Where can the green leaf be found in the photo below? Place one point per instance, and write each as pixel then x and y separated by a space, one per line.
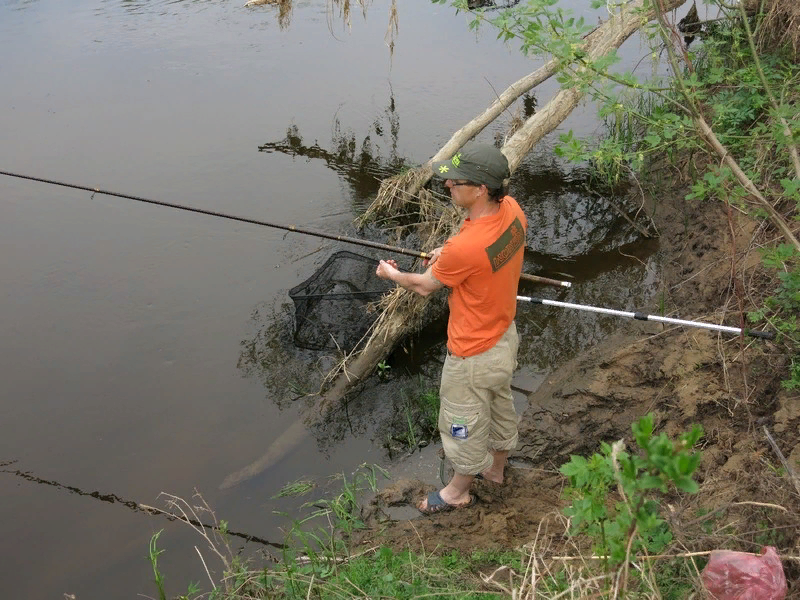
pixel 642 430
pixel 791 187
pixel 653 140
pixel 691 438
pixel 651 482
pixel 574 467
pixel 687 463
pixel 687 484
pixel 628 467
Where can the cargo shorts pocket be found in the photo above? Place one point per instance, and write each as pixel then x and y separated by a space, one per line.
pixel 457 421
pixel 464 434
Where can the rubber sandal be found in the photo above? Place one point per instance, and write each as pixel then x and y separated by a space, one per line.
pixel 436 504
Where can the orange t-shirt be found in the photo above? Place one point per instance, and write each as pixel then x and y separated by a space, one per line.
pixel 482 265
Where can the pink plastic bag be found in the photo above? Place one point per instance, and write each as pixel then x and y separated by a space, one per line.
pixel 740 576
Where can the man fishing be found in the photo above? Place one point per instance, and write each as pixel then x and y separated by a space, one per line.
pixel 481 265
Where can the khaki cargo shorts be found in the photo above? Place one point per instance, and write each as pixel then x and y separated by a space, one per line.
pixel 476 412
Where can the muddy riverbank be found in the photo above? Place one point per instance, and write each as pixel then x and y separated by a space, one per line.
pixel 684 376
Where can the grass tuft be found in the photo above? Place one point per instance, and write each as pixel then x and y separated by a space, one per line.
pixel 299 487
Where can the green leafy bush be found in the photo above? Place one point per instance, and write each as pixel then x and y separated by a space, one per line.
pixel 632 522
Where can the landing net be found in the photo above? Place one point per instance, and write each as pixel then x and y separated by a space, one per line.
pixel 333 308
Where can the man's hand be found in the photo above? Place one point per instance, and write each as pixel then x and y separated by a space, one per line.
pixel 421 283
pixel 432 257
pixel 387 269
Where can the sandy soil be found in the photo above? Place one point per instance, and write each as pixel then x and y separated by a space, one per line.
pixel 684 376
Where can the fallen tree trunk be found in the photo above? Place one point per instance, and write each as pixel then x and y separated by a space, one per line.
pixel 606 37
pixel 412 185
pixel 395 322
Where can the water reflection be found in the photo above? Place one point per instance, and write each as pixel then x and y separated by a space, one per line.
pixel 551 336
pixel 21 5
pixel 284 9
pixel 281 9
pixel 343 7
pixel 362 163
pixel 160 7
pixel 292 375
pixel 585 267
pixel 563 219
pixel 269 355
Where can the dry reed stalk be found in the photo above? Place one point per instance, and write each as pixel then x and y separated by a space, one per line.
pixel 396 194
pixel 284 9
pixel 781 25
pixel 789 470
pixel 344 7
pixel 205 566
pixel 189 515
pixel 525 588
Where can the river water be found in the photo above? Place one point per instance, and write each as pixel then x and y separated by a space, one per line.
pixel 125 328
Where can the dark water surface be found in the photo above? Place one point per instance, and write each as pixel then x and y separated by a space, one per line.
pixel 122 325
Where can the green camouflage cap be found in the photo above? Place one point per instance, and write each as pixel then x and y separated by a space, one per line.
pixel 478 163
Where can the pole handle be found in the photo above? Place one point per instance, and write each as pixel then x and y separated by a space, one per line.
pixel 765 335
pixel 547 280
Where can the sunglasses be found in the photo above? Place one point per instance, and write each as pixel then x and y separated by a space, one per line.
pixel 469 183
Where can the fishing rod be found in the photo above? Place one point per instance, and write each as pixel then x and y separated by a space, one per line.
pixel 322 234
pixel 767 335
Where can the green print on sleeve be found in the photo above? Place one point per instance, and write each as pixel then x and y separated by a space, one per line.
pixel 511 240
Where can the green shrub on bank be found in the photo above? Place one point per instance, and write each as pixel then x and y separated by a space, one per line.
pixel 615 494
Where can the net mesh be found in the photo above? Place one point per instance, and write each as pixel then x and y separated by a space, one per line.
pixel 331 307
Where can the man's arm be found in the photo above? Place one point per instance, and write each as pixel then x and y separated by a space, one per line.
pixel 423 284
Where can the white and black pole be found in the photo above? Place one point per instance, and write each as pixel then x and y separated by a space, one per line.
pixel 768 335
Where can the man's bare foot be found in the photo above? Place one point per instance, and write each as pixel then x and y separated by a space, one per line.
pixel 491 476
pixel 495 473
